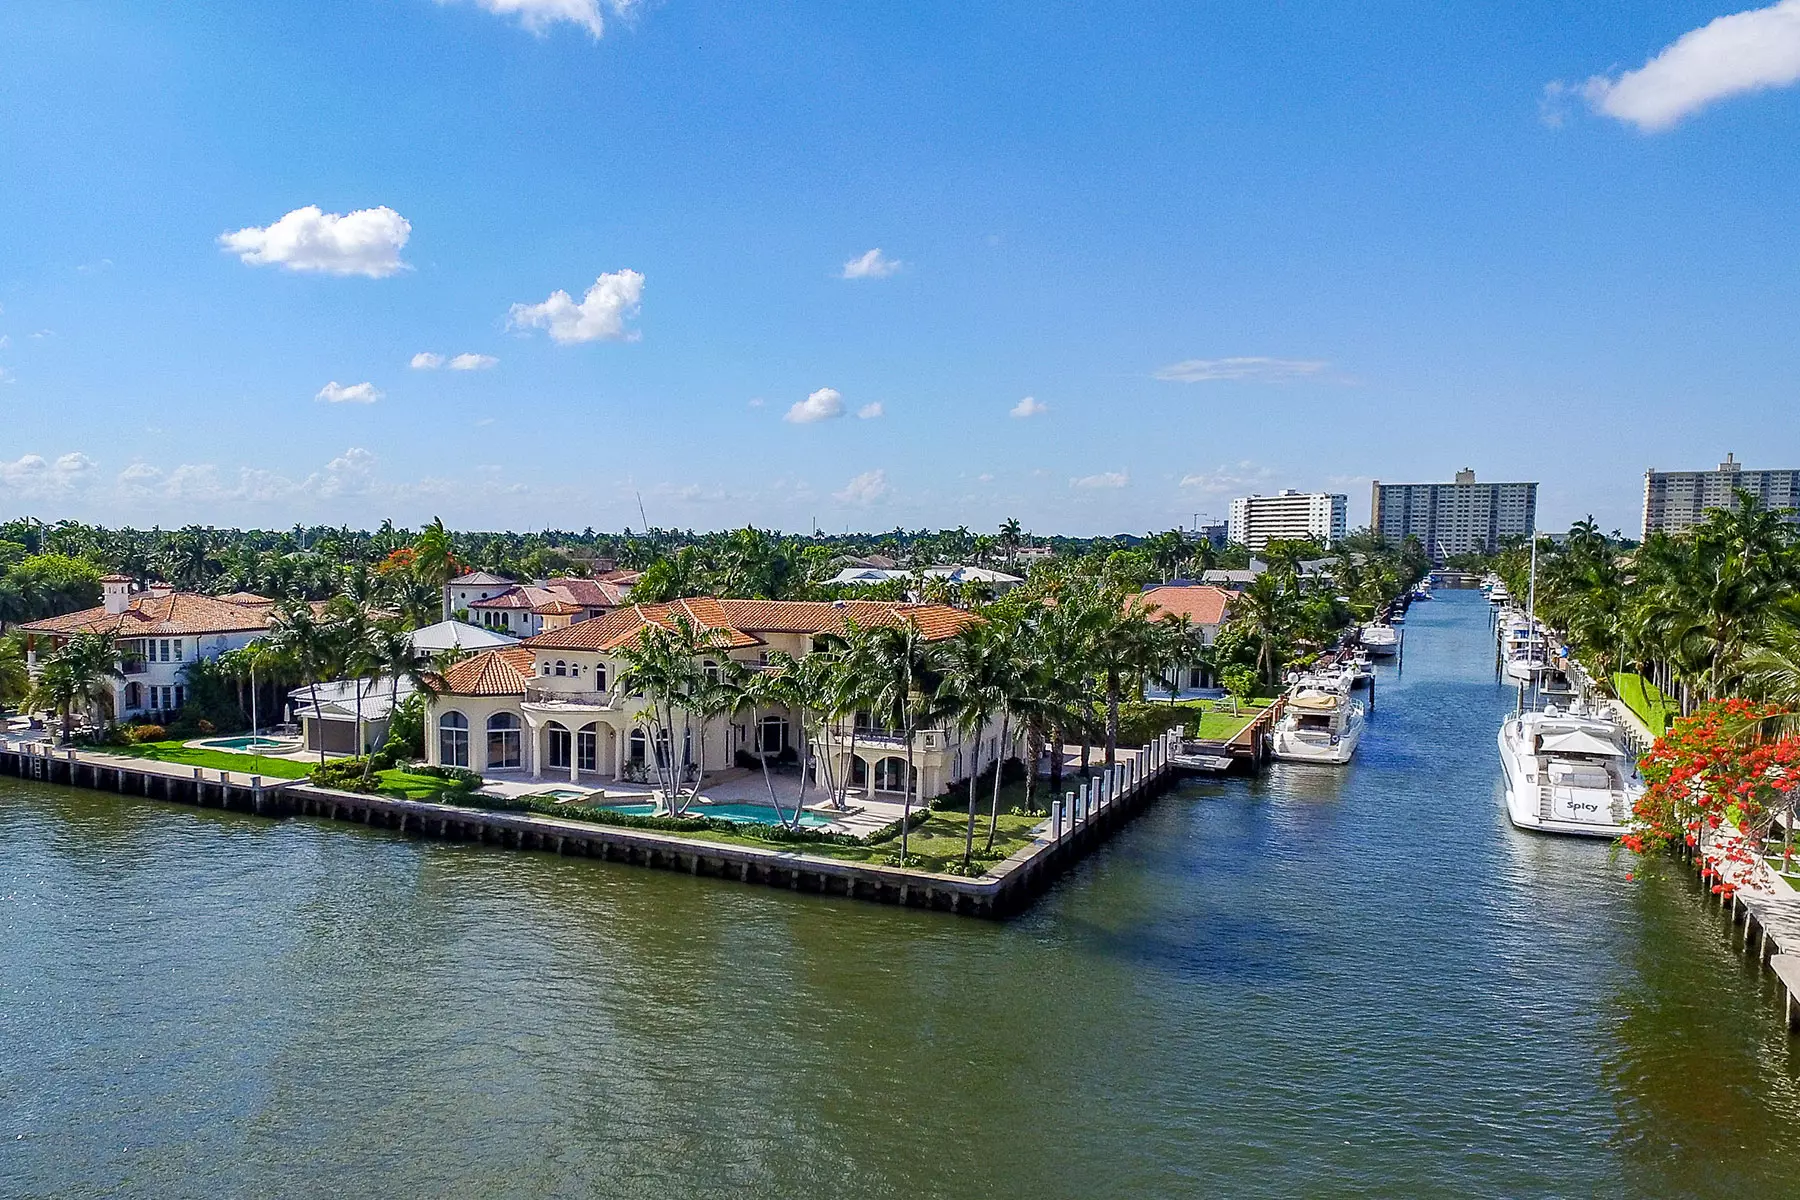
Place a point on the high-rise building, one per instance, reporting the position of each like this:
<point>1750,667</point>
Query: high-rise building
<point>1312,516</point>
<point>1678,500</point>
<point>1464,517</point>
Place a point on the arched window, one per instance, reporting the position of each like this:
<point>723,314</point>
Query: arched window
<point>503,740</point>
<point>587,747</point>
<point>453,740</point>
<point>637,752</point>
<point>600,678</point>
<point>559,744</point>
<point>562,668</point>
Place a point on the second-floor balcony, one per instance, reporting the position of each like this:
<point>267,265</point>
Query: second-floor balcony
<point>134,666</point>
<point>555,693</point>
<point>924,740</point>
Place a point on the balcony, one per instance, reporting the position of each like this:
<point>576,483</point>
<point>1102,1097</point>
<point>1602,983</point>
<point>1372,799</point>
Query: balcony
<point>546,694</point>
<point>134,666</point>
<point>924,740</point>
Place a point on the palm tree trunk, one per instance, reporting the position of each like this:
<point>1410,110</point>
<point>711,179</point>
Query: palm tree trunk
<point>999,768</point>
<point>907,794</point>
<point>1113,685</point>
<point>974,788</point>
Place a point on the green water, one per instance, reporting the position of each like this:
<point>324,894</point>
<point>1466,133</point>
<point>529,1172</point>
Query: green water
<point>1329,982</point>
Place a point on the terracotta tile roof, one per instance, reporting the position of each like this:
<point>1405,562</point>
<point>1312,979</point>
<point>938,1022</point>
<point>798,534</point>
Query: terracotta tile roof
<point>558,608</point>
<point>590,593</point>
<point>582,593</point>
<point>499,672</point>
<point>245,598</point>
<point>178,613</point>
<point>513,597</point>
<point>1199,603</point>
<point>741,621</point>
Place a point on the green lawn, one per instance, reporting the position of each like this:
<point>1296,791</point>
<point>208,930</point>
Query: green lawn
<point>405,784</point>
<point>1645,699</point>
<point>218,760</point>
<point>1209,720</point>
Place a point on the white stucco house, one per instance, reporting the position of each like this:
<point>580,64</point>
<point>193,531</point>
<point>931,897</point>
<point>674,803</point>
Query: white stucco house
<point>523,609</point>
<point>552,706</point>
<point>159,632</point>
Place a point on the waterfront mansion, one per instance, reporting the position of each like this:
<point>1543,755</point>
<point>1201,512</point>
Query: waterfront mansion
<point>159,632</point>
<point>552,706</point>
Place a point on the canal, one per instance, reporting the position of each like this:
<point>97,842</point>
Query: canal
<point>1324,981</point>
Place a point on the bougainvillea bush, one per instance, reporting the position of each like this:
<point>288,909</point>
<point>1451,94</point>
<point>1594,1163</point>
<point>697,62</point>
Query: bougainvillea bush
<point>1715,766</point>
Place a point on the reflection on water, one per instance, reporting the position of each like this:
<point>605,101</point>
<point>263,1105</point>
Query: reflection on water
<point>1319,981</point>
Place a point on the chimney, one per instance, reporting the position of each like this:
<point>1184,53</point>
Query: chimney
<point>117,591</point>
<point>161,590</point>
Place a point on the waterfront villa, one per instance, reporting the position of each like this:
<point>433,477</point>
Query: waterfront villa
<point>159,632</point>
<point>523,609</point>
<point>552,706</point>
<point>1206,608</point>
<point>996,582</point>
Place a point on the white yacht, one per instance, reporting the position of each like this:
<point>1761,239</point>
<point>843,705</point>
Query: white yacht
<point>1380,640</point>
<point>1321,724</point>
<point>1499,595</point>
<point>1567,772</point>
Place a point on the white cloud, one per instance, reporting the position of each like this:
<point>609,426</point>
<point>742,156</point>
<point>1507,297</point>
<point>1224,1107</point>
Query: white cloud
<point>755,402</point>
<point>539,15</point>
<point>473,362</point>
<point>1029,407</point>
<point>823,405</point>
<point>984,477</point>
<point>365,242</point>
<point>1259,370</point>
<point>351,473</point>
<point>600,317</point>
<point>1237,477</point>
<point>425,360</point>
<point>1742,52</point>
<point>1105,479</point>
<point>354,393</point>
<point>872,265</point>
<point>32,476</point>
<point>866,488</point>
<point>870,411</point>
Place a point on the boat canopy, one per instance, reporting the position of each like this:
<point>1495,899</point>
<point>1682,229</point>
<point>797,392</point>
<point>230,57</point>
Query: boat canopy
<point>1578,741</point>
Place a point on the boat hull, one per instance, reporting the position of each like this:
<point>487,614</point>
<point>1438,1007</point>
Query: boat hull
<point>1523,805</point>
<point>1291,746</point>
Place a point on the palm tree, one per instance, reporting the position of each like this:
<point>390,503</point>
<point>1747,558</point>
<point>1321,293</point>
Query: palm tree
<point>1266,609</point>
<point>15,680</point>
<point>78,674</point>
<point>389,650</point>
<point>434,556</point>
<point>976,669</point>
<point>308,642</point>
<point>909,694</point>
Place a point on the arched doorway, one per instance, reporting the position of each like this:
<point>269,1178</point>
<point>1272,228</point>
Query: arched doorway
<point>559,746</point>
<point>891,775</point>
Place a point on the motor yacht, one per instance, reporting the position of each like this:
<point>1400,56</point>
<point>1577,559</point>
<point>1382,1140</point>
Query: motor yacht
<point>1568,772</point>
<point>1382,641</point>
<point>1320,724</point>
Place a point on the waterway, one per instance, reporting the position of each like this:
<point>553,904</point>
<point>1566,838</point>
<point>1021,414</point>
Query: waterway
<point>1324,981</point>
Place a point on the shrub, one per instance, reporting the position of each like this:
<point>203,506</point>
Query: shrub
<point>139,734</point>
<point>346,775</point>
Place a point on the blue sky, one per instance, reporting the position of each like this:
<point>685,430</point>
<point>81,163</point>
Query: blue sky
<point>1386,244</point>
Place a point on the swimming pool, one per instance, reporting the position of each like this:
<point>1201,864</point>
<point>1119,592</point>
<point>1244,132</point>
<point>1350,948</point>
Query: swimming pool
<point>249,745</point>
<point>747,814</point>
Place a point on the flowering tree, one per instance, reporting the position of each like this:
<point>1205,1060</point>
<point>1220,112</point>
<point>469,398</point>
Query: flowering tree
<point>1713,767</point>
